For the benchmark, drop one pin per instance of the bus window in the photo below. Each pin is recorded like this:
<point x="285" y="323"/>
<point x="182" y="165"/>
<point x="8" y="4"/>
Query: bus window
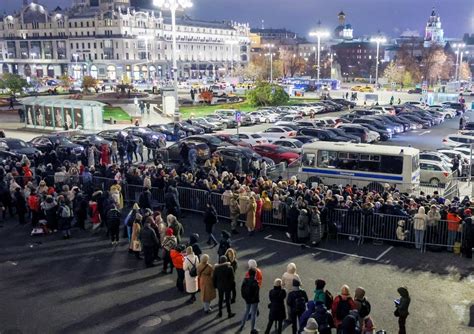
<point x="327" y="159"/>
<point x="309" y="159"/>
<point x="415" y="163"/>
<point x="391" y="164"/>
<point x="369" y="163"/>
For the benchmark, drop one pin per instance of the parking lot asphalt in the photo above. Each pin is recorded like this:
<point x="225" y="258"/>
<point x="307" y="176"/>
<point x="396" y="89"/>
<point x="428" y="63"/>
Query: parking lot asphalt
<point x="84" y="285"/>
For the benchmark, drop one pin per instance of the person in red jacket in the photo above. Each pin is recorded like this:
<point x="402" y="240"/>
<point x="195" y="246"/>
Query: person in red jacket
<point x="341" y="306"/>
<point x="258" y="276"/>
<point x="34" y="206"/>
<point x="177" y="258"/>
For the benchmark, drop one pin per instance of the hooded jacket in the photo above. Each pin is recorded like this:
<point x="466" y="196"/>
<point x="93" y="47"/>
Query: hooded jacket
<point x="310" y="308"/>
<point x="420" y="220"/>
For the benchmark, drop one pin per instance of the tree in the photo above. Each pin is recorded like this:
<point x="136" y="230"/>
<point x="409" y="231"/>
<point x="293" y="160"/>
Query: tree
<point x="432" y="63"/>
<point x="292" y="63"/>
<point x="393" y="73"/>
<point x="407" y="79"/>
<point x="65" y="81"/>
<point x="465" y="71"/>
<point x="266" y="94"/>
<point x="88" y="82"/>
<point x="14" y="82"/>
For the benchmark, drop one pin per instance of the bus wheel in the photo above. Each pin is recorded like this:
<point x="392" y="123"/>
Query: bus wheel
<point x="434" y="182"/>
<point x="375" y="186"/>
<point x="313" y="179"/>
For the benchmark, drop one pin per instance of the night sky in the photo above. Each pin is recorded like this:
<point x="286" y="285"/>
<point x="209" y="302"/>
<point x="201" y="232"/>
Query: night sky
<point x="366" y="16"/>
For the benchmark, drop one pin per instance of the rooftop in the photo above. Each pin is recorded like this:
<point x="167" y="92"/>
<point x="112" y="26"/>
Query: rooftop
<point x="55" y="102"/>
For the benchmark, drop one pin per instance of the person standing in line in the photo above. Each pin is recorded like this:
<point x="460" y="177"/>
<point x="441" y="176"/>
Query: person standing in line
<point x="190" y="265"/>
<point x="224" y="280"/>
<point x="149" y="241"/>
<point x="140" y="150"/>
<point x="177" y="258"/>
<point x="210" y="219"/>
<point x="113" y="224"/>
<point x="234" y="212"/>
<point x="296" y="302"/>
<point x="205" y="272"/>
<point x="341" y="306"/>
<point x="251" y="294"/>
<point x="231" y="256"/>
<point x="453" y="227"/>
<point x="135" y="243"/>
<point x="419" y="225"/>
<point x="169" y="243"/>
<point x="277" y="311"/>
<point x="20" y="205"/>
<point x="401" y="309"/>
<point x="251" y="212"/>
<point x="468" y="233"/>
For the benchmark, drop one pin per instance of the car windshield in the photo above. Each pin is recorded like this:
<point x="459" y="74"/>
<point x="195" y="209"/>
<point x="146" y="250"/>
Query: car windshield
<point x="16" y="144"/>
<point x="298" y="144"/>
<point x="214" y="140"/>
<point x="62" y="140"/>
<point x="234" y="138"/>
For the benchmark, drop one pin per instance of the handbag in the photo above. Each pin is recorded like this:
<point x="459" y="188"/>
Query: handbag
<point x="396" y="313"/>
<point x="136" y="246"/>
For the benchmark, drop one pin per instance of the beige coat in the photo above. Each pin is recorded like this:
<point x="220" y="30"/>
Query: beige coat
<point x="208" y="291"/>
<point x="251" y="211"/>
<point x="135" y="243"/>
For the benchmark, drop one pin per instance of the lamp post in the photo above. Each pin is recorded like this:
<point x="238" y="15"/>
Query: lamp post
<point x="377" y="40"/>
<point x="76" y="56"/>
<point x="458" y="52"/>
<point x="270" y="47"/>
<point x="172" y="6"/>
<point x="319" y="34"/>
<point x="231" y="42"/>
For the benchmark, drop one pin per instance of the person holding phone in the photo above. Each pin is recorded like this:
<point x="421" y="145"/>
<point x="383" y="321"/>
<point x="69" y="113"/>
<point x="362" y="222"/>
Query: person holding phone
<point x="401" y="309"/>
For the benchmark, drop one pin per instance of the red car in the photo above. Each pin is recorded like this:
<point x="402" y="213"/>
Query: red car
<point x="232" y="139"/>
<point x="276" y="153"/>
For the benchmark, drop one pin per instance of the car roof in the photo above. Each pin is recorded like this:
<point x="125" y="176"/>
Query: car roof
<point x="291" y="140"/>
<point x="433" y="162"/>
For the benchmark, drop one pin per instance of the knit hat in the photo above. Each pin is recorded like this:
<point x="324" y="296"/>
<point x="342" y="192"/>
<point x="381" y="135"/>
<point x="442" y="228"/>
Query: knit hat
<point x="467" y="212"/>
<point x="169" y="232"/>
<point x="252" y="264"/>
<point x="311" y="326"/>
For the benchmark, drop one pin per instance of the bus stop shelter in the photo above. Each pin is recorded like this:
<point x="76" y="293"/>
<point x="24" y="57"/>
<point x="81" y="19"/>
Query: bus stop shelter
<point x="52" y="113"/>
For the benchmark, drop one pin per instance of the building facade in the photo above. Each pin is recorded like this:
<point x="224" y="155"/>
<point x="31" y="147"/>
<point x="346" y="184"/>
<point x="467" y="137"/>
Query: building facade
<point x="110" y="40"/>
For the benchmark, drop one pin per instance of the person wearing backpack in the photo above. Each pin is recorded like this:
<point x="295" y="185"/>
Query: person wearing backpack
<point x="64" y="217"/>
<point x="296" y="302"/>
<point x="350" y="324"/>
<point x="362" y="305"/>
<point x="325" y="297"/>
<point x="190" y="264"/>
<point x="341" y="307"/>
<point x="323" y="317"/>
<point x="251" y="294"/>
<point x="224" y="243"/>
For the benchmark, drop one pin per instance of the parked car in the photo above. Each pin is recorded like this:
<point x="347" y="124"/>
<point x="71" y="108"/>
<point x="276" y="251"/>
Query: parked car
<point x="434" y="173"/>
<point x="245" y="119"/>
<point x="456" y="139"/>
<point x="228" y="123"/>
<point x="278" y="132"/>
<point x="232" y="139"/>
<point x="212" y="141"/>
<point x="292" y="144"/>
<point x="62" y="144"/>
<point x="178" y="153"/>
<point x="207" y="127"/>
<point x="415" y="91"/>
<point x="411" y="117"/>
<point x="189" y="129"/>
<point x="276" y="153"/>
<point x="150" y="137"/>
<point x="454" y="105"/>
<point x="305" y="139"/>
<point x="375" y="122"/>
<point x="321" y="134"/>
<point x="382" y="134"/>
<point x="87" y="139"/>
<point x="253" y="138"/>
<point x="19" y="147"/>
<point x="360" y="131"/>
<point x="447" y="112"/>
<point x="341" y="133"/>
<point x="384" y="109"/>
<point x="264" y="117"/>
<point x="289" y="118"/>
<point x="119" y="134"/>
<point x="169" y="131"/>
<point x="396" y="128"/>
<point x="437" y="157"/>
<point x="6" y="157"/>
<point x="231" y="154"/>
<point x="345" y="102"/>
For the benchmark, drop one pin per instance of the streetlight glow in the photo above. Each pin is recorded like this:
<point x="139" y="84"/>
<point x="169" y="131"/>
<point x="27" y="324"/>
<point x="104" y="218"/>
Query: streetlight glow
<point x="378" y="40"/>
<point x="319" y="34"/>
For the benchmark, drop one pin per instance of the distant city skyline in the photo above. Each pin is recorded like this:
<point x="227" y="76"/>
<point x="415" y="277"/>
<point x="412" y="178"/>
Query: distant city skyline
<point x="366" y="16"/>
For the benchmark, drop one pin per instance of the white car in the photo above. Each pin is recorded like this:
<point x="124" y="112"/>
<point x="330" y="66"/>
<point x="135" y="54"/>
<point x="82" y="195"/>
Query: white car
<point x="464" y="150"/>
<point x="437" y="157"/>
<point x="289" y="118"/>
<point x="386" y="110"/>
<point x="328" y="121"/>
<point x="263" y="116"/>
<point x="253" y="138"/>
<point x="293" y="144"/>
<point x="434" y="173"/>
<point x="447" y="112"/>
<point x="453" y="153"/>
<point x="278" y="132"/>
<point x="457" y="139"/>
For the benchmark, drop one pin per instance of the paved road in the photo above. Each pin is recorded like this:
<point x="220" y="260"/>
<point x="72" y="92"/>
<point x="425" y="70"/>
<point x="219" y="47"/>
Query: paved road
<point x="83" y="285"/>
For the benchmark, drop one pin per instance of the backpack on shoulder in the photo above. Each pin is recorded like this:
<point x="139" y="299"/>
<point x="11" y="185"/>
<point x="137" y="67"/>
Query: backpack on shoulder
<point x="343" y="308"/>
<point x="300" y="305"/>
<point x="364" y="308"/>
<point x="193" y="269"/>
<point x="329" y="299"/>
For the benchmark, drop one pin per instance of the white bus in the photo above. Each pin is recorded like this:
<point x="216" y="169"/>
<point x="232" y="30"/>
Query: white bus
<point x="361" y="164"/>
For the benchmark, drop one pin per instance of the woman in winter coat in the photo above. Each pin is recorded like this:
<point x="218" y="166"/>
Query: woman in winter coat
<point x="289" y="276"/>
<point x="135" y="243"/>
<point x="277" y="307"/>
<point x="105" y="155"/>
<point x="190" y="264"/>
<point x="50" y="208"/>
<point x="234" y="210"/>
<point x="432" y="223"/>
<point x="303" y="226"/>
<point x="116" y="194"/>
<point x="258" y="213"/>
<point x="114" y="151"/>
<point x="94" y="213"/>
<point x="315" y="232"/>
<point x="419" y="225"/>
<point x="210" y="219"/>
<point x="208" y="291"/>
<point x="231" y="256"/>
<point x="251" y="211"/>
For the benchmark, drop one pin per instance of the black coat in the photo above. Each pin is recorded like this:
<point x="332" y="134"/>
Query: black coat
<point x="144" y="201"/>
<point x="277" y="304"/>
<point x="210" y="219"/>
<point x="223" y="277"/>
<point x="250" y="291"/>
<point x="148" y="237"/>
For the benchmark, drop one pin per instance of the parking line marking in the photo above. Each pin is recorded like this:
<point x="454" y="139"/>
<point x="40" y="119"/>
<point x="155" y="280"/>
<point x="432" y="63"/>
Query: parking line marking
<point x="383" y="253"/>
<point x="424" y="133"/>
<point x="268" y="237"/>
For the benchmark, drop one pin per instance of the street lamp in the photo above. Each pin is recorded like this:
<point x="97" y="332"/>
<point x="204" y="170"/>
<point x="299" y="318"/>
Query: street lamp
<point x="270" y="47"/>
<point x="76" y="69"/>
<point x="458" y="52"/>
<point x="377" y="40"/>
<point x="231" y="43"/>
<point x="319" y="34"/>
<point x="172" y="6"/>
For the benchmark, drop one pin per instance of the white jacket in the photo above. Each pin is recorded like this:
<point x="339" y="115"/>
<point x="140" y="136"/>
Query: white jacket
<point x="191" y="282"/>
